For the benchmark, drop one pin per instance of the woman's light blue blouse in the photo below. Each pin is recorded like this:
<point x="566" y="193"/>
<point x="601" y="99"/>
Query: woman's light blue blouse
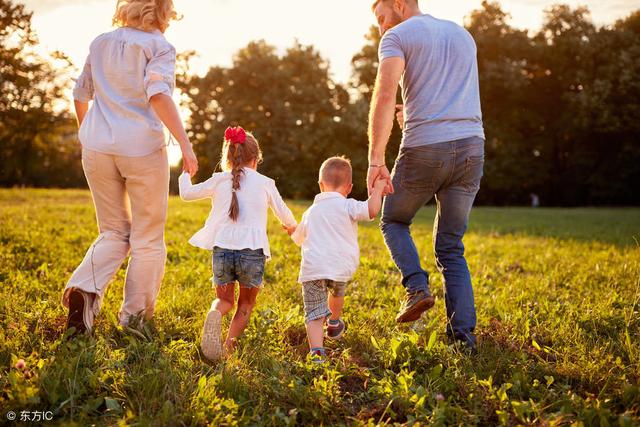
<point x="124" y="69"/>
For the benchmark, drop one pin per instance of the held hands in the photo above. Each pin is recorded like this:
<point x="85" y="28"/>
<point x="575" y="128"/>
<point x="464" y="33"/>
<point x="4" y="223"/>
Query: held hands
<point x="289" y="230"/>
<point x="380" y="186"/>
<point x="189" y="159"/>
<point x="377" y="173"/>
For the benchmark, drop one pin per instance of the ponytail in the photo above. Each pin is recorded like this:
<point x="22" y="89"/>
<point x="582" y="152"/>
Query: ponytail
<point x="236" y="173"/>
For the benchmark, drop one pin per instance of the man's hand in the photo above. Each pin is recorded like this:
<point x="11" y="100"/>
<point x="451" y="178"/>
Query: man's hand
<point x="400" y="115"/>
<point x="376" y="173"/>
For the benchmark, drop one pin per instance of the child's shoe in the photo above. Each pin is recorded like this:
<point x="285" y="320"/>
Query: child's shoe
<point x="211" y="342"/>
<point x="335" y="329"/>
<point x="318" y="355"/>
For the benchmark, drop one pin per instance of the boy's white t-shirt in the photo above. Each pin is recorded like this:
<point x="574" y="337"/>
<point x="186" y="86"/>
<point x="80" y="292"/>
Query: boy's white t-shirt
<point x="328" y="235"/>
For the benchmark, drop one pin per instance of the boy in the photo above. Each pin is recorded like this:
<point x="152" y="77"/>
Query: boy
<point x="328" y="235"/>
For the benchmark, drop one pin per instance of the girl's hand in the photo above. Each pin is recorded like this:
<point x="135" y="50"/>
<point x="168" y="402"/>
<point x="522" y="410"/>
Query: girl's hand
<point x="290" y="230"/>
<point x="189" y="160"/>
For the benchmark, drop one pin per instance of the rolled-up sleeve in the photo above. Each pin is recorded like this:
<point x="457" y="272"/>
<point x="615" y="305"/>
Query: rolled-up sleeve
<point x="160" y="74"/>
<point x="83" y="89"/>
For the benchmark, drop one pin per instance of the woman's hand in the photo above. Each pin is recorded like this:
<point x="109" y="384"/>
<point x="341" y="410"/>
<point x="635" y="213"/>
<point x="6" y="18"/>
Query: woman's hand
<point x="189" y="159"/>
<point x="81" y="108"/>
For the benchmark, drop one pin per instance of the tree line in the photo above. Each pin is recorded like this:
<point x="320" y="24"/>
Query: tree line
<point x="561" y="109"/>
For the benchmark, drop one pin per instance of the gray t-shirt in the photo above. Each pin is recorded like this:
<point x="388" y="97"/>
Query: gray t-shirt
<point x="440" y="87"/>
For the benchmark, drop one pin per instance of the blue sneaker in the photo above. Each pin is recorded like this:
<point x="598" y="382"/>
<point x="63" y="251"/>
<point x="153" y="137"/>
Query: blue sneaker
<point x="335" y="329"/>
<point x="318" y="355"/>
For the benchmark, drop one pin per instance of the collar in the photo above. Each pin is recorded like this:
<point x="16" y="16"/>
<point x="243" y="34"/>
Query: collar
<point x="328" y="195"/>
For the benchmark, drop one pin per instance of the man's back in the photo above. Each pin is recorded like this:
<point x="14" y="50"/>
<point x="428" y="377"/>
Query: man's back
<point x="440" y="83"/>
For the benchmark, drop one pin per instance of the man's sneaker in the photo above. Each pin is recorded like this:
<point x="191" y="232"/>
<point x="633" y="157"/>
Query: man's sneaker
<point x="335" y="330"/>
<point x="211" y="336"/>
<point x="80" y="315"/>
<point x="318" y="355"/>
<point x="414" y="305"/>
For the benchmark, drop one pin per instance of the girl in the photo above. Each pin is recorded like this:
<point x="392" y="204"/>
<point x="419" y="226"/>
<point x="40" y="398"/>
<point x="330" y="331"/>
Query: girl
<point x="236" y="232"/>
<point x="129" y="76"/>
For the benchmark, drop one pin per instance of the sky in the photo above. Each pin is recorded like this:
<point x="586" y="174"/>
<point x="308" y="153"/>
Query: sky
<point x="216" y="29"/>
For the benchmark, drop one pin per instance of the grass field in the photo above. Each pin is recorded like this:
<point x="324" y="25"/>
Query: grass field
<point x="557" y="293"/>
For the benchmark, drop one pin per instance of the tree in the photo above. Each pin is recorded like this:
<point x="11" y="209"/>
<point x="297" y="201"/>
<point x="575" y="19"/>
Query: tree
<point x="37" y="142"/>
<point x="505" y="66"/>
<point x="288" y="102"/>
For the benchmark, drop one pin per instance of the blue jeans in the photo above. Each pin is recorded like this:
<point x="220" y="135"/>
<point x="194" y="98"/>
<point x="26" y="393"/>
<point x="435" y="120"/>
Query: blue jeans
<point x="450" y="171"/>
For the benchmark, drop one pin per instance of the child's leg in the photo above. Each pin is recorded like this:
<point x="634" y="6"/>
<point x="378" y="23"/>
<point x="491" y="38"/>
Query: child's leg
<point x="211" y="331"/>
<point x="316" y="310"/>
<point x="225" y="298"/>
<point x="335" y="305"/>
<point x="336" y="298"/>
<point x="335" y="325"/>
<point x="315" y="334"/>
<point x="246" y="302"/>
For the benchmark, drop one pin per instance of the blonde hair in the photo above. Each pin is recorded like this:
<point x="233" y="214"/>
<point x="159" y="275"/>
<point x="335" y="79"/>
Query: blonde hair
<point x="335" y="172"/>
<point x="234" y="157"/>
<point x="146" y="15"/>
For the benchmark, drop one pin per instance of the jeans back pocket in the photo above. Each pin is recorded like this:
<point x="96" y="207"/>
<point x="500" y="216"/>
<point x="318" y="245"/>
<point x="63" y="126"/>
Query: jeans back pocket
<point x="420" y="173"/>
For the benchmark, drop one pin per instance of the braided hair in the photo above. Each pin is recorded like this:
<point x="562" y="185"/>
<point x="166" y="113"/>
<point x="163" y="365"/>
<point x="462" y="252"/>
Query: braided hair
<point x="236" y="156"/>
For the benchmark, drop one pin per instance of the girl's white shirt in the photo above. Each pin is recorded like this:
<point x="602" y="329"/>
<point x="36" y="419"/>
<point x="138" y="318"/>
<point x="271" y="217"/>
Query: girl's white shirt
<point x="256" y="195"/>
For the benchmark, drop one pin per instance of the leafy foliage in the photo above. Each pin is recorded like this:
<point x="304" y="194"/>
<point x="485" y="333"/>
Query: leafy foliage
<point x="37" y="142"/>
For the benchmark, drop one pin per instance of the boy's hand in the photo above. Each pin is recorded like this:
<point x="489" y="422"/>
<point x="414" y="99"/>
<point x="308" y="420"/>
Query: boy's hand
<point x="380" y="185"/>
<point x="290" y="230"/>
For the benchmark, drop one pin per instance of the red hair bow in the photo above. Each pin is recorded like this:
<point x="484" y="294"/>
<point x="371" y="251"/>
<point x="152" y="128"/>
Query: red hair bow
<point x="236" y="135"/>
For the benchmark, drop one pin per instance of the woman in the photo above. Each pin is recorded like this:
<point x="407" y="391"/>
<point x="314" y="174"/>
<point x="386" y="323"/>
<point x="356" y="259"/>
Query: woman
<point x="130" y="76"/>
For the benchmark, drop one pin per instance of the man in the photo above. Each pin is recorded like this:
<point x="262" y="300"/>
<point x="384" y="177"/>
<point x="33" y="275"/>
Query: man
<point x="441" y="155"/>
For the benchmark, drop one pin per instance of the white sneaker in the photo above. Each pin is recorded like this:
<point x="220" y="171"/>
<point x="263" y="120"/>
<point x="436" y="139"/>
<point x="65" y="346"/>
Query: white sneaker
<point x="211" y="336"/>
<point x="81" y="314"/>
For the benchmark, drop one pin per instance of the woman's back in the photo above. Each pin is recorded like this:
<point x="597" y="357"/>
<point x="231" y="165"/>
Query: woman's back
<point x="124" y="69"/>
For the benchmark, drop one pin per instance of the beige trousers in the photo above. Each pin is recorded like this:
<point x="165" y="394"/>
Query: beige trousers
<point x="130" y="195"/>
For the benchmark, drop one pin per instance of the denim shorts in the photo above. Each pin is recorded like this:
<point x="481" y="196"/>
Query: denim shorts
<point x="246" y="266"/>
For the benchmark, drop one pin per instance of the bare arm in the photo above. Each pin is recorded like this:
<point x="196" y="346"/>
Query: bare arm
<point x="81" y="110"/>
<point x="381" y="114"/>
<point x="375" y="198"/>
<point x="166" y="110"/>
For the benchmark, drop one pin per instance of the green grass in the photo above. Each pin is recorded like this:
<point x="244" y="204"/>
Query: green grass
<point x="557" y="293"/>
